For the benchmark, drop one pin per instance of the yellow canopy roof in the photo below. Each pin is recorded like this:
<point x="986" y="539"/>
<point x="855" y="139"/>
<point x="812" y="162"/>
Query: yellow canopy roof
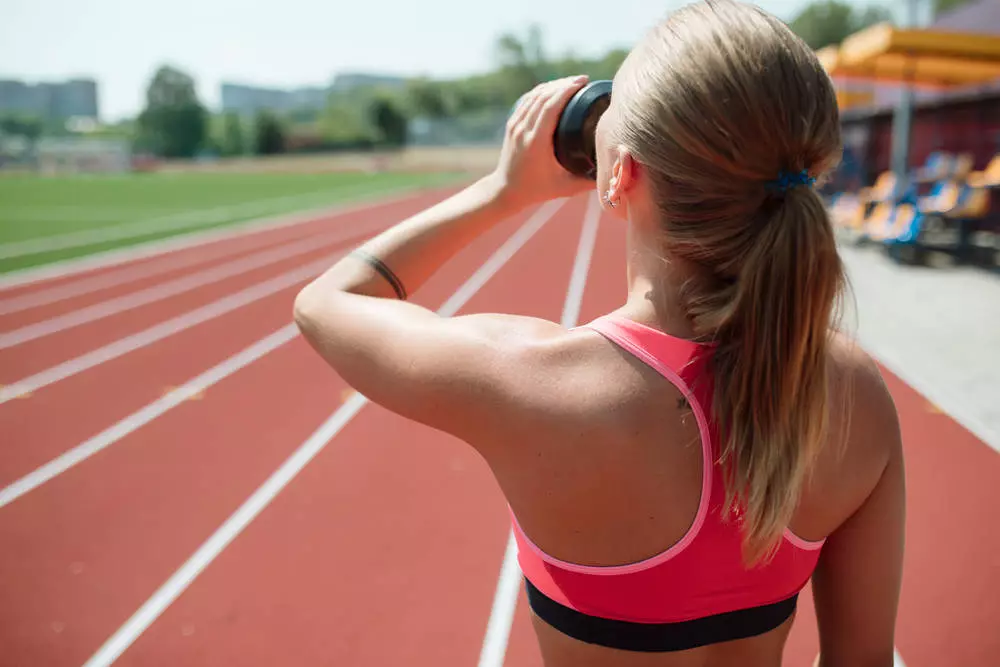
<point x="847" y="98"/>
<point x="886" y="54"/>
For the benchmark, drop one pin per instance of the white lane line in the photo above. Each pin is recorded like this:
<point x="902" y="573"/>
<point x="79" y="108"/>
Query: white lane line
<point x="171" y="288"/>
<point x="180" y="220"/>
<point x="504" y="605"/>
<point x="164" y="329"/>
<point x="161" y="246"/>
<point x="581" y="266"/>
<point x="509" y="582"/>
<point x="248" y="511"/>
<point x="143" y="416"/>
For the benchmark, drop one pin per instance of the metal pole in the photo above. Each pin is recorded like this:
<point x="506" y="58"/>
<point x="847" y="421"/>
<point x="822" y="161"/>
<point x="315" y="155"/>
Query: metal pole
<point x="902" y="122"/>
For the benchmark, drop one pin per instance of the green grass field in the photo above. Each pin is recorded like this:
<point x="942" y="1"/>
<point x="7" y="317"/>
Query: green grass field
<point x="43" y="219"/>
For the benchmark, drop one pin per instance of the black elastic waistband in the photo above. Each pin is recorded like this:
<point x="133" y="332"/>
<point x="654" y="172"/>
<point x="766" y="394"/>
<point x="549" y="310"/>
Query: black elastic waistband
<point x="659" y="637"/>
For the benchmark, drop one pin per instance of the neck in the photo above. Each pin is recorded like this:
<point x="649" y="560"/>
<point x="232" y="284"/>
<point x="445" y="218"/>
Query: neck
<point x="654" y="283"/>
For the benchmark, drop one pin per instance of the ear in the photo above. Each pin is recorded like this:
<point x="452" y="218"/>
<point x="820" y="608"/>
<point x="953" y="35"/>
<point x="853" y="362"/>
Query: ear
<point x="621" y="181"/>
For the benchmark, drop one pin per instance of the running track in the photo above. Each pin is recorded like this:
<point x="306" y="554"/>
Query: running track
<point x="136" y="513"/>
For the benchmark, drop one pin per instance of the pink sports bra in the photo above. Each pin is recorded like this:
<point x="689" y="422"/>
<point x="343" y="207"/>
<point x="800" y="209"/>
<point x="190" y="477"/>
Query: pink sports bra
<point x="696" y="592"/>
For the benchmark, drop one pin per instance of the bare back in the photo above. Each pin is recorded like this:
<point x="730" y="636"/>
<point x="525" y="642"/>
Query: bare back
<point x="608" y="472"/>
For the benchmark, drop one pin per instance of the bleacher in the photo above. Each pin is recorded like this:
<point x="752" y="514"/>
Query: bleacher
<point x="944" y="206"/>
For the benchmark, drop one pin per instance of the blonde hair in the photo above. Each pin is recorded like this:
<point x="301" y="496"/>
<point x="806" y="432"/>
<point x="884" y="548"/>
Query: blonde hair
<point x="722" y="99"/>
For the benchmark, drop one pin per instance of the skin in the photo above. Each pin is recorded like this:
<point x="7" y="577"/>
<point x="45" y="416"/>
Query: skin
<point x="591" y="448"/>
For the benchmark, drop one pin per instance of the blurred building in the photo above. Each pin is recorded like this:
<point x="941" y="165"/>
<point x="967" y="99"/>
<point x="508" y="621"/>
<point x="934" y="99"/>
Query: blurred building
<point x="76" y="97"/>
<point x="348" y="81"/>
<point x="247" y="100"/>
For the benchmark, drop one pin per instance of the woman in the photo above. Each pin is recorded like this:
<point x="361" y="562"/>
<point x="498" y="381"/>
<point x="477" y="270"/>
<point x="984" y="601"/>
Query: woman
<point x="681" y="467"/>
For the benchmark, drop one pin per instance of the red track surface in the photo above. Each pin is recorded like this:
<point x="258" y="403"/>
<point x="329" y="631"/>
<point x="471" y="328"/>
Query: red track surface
<point x="385" y="550"/>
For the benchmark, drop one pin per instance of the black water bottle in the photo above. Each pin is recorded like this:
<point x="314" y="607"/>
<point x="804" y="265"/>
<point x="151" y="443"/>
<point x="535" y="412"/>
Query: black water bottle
<point x="574" y="135"/>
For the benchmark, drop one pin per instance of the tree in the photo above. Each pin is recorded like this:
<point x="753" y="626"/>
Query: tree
<point x="942" y="6"/>
<point x="174" y="123"/>
<point x="870" y="16"/>
<point x="269" y="136"/>
<point x="303" y="116"/>
<point x="831" y="21"/>
<point x="21" y="125"/>
<point x="608" y="66"/>
<point x="344" y="126"/>
<point x="522" y="63"/>
<point x="390" y="122"/>
<point x="427" y="98"/>
<point x="232" y="142"/>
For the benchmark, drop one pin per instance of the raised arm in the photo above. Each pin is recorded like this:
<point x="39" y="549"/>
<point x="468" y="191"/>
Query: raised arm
<point x="442" y="371"/>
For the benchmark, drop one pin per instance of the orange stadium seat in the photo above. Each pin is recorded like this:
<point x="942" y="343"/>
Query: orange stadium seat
<point x="988" y="177"/>
<point x="975" y="204"/>
<point x="879" y="221"/>
<point x="883" y="189"/>
<point x="844" y="208"/>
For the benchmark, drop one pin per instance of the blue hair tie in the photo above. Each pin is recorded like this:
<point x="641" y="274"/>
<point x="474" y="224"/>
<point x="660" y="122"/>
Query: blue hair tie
<point x="787" y="180"/>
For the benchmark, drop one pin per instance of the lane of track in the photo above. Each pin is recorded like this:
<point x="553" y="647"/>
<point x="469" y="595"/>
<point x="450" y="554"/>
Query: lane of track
<point x="949" y="607"/>
<point x="63" y="414"/>
<point x="383" y="551"/>
<point x="95" y="542"/>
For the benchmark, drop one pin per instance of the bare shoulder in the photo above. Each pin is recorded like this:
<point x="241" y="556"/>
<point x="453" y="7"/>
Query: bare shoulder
<point x="554" y="370"/>
<point x="858" y="382"/>
<point x="503" y="379"/>
<point x="864" y="423"/>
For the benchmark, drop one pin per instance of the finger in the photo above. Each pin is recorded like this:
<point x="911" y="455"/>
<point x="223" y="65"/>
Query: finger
<point x="544" y="94"/>
<point x="517" y="116"/>
<point x="548" y="114"/>
<point x="523" y="104"/>
<point x="534" y="109"/>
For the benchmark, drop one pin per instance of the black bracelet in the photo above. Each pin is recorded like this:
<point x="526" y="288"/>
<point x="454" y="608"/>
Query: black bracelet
<point x="383" y="271"/>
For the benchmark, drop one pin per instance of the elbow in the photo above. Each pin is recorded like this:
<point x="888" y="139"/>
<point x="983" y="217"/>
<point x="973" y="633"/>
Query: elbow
<point x="304" y="311"/>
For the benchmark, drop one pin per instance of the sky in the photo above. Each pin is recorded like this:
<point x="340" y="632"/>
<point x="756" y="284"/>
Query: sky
<point x="297" y="42"/>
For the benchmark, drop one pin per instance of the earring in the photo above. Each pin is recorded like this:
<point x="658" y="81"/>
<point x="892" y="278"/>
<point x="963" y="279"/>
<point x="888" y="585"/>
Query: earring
<point x="607" y="199"/>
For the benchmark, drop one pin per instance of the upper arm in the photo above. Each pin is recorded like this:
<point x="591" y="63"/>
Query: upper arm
<point x="463" y="375"/>
<point x="857" y="580"/>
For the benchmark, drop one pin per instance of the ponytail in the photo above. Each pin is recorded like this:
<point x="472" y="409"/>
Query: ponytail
<point x="772" y="329"/>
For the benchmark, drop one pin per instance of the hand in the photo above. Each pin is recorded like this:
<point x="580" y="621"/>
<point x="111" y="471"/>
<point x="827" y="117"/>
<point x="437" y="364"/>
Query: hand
<point x="528" y="172"/>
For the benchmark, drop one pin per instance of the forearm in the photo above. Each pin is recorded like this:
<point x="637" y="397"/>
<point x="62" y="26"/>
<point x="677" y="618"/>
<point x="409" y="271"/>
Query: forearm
<point x="417" y="247"/>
